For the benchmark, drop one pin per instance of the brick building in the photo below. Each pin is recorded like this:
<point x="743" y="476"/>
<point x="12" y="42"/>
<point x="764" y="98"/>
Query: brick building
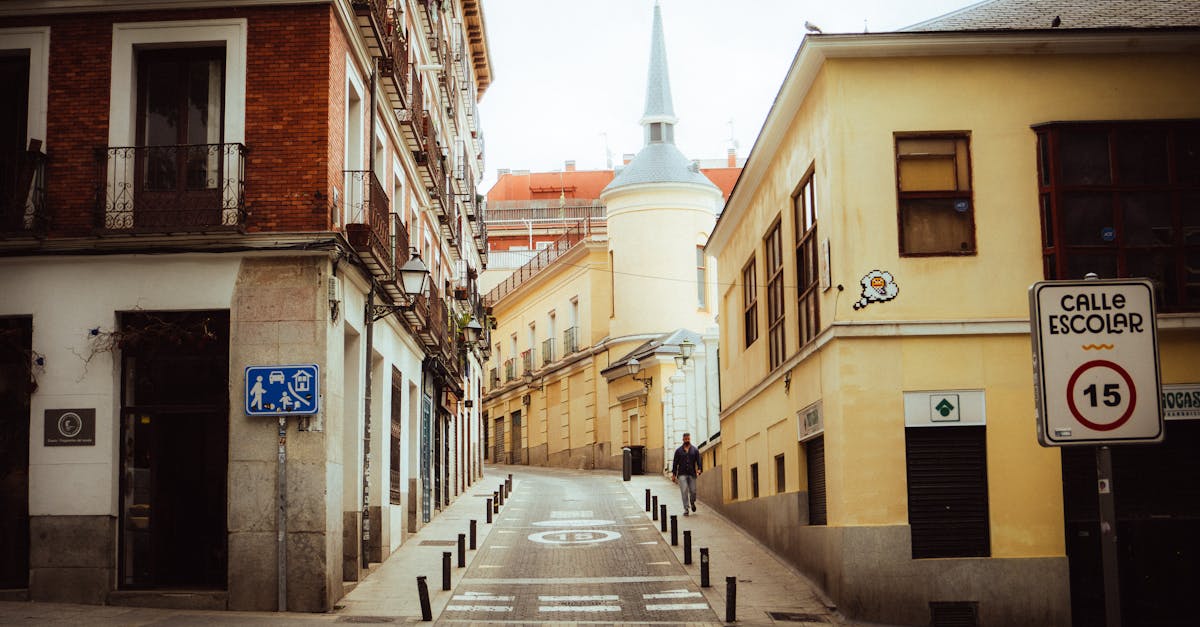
<point x="189" y="192"/>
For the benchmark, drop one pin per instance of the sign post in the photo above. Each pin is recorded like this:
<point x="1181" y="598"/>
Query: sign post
<point x="1097" y="382"/>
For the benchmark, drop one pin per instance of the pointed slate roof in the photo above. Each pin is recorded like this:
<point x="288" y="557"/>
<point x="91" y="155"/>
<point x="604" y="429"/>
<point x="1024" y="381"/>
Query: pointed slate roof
<point x="659" y="161"/>
<point x="1072" y="15"/>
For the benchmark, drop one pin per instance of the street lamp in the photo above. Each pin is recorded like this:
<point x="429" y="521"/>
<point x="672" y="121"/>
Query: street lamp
<point x="686" y="348"/>
<point x="472" y="331"/>
<point x="633" y="367"/>
<point x="413" y="275"/>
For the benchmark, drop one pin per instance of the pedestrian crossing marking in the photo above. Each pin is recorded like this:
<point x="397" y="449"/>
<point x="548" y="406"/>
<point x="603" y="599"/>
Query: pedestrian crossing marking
<point x="672" y="594"/>
<point x="675" y="607"/>
<point x="658" y="563"/>
<point x="479" y="608"/>
<point x="482" y="596"/>
<point x="577" y="597"/>
<point x="579" y="608"/>
<point x="651" y="542"/>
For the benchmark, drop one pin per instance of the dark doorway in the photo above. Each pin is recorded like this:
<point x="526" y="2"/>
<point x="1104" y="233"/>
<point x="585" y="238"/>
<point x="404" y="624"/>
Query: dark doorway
<point x="515" y="444"/>
<point x="1157" y="495"/>
<point x="16" y="385"/>
<point x="174" y="434"/>
<point x="438" y="438"/>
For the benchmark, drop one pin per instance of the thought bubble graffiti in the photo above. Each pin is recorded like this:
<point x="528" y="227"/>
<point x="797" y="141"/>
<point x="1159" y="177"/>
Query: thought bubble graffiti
<point x="877" y="286"/>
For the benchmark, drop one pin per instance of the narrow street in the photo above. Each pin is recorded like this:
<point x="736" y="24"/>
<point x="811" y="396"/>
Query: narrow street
<point x="576" y="547"/>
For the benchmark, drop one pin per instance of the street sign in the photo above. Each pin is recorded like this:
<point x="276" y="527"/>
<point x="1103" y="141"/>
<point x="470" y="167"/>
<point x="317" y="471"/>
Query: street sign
<point x="1095" y="351"/>
<point x="282" y="390"/>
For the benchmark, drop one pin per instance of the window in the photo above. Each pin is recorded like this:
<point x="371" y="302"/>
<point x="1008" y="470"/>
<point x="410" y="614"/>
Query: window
<point x="773" y="252"/>
<point x="733" y="484"/>
<point x="933" y="183"/>
<point x="804" y="212"/>
<point x="947" y="491"/>
<point x="749" y="303"/>
<point x="814" y="453"/>
<point x="780" y="475"/>
<point x="701" y="278"/>
<point x="754" y="481"/>
<point x="1122" y="199"/>
<point x="612" y="285"/>
<point x="395" y="492"/>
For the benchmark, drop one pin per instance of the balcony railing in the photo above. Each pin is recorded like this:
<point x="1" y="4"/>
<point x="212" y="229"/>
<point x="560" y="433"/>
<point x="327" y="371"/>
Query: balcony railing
<point x="510" y="369"/>
<point x="527" y="359"/>
<point x="494" y="378"/>
<point x="541" y="260"/>
<point x="547" y="350"/>
<point x="520" y="212"/>
<point x="368" y="221"/>
<point x="186" y="187"/>
<point x="570" y="340"/>
<point x="23" y="193"/>
<point x="395" y="494"/>
<point x="400" y="243"/>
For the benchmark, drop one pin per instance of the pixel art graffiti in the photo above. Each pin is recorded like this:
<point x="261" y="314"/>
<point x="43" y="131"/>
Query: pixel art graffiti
<point x="878" y="286"/>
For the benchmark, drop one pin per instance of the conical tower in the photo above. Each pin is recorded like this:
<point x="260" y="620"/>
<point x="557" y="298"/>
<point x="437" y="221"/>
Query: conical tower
<point x="661" y="209"/>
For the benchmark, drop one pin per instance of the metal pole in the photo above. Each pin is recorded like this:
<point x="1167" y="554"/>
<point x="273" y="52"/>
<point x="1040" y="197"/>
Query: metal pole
<point x="495" y="502"/>
<point x="473" y="532"/>
<point x="423" y="592"/>
<point x="462" y="550"/>
<point x="501" y="492"/>
<point x="490" y="509"/>
<point x="674" y="530"/>
<point x="704" y="567"/>
<point x="445" y="570"/>
<point x="662" y="517"/>
<point x="730" y="599"/>
<point x="647" y="499"/>
<point x="281" y="515"/>
<point x="654" y="508"/>
<point x="687" y="547"/>
<point x="1108" y="537"/>
<point x="626" y="463"/>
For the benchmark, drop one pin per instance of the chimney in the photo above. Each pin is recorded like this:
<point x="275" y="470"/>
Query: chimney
<point x="627" y="157"/>
<point x="732" y="158"/>
<point x="570" y="165"/>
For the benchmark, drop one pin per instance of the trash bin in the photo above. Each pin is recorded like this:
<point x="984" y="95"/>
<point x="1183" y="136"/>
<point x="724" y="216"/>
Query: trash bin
<point x="638" y="459"/>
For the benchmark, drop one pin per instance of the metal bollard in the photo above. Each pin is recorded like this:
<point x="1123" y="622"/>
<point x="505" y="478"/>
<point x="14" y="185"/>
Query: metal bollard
<point x="674" y="530"/>
<point x="508" y="483"/>
<point x="445" y="570"/>
<point x="495" y="502"/>
<point x="462" y="550"/>
<point x="654" y="509"/>
<point x="626" y="463"/>
<point x="490" y="509"/>
<point x="704" y="583"/>
<point x="730" y="599"/>
<point x="501" y="491"/>
<point x="647" y="499"/>
<point x="662" y="517"/>
<point x="423" y="593"/>
<point x="687" y="547"/>
<point x="473" y="532"/>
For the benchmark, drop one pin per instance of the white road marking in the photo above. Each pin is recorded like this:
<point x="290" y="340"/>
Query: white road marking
<point x="573" y="523"/>
<point x="479" y="608"/>
<point x="579" y="513"/>
<point x="481" y="596"/>
<point x="651" y="542"/>
<point x="490" y="566"/>
<point x="497" y="546"/>
<point x="572" y="536"/>
<point x="542" y="581"/>
<point x="577" y="597"/>
<point x="657" y="563"/>
<point x="634" y="516"/>
<point x="504" y="531"/>
<point x="579" y="608"/>
<point x="672" y="594"/>
<point x="675" y="607"/>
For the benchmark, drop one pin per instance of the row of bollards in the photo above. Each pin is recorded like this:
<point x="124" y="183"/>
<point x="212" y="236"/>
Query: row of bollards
<point x="659" y="512"/>
<point x="492" y="508"/>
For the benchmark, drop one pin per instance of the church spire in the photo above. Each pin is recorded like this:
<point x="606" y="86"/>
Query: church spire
<point x="659" y="118"/>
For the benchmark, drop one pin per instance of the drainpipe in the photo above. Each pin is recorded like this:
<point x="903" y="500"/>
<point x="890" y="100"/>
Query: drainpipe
<point x="369" y="323"/>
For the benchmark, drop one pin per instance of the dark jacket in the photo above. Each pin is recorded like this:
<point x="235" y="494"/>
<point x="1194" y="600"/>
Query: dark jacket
<point x="686" y="462"/>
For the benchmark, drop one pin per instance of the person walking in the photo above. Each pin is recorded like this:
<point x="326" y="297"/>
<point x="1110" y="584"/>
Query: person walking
<point x="684" y="470"/>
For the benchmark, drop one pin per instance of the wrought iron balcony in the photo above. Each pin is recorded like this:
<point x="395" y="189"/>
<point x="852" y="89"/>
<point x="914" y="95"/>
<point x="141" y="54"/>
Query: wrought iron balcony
<point x="510" y="369"/>
<point x="23" y="193"/>
<point x="570" y="340"/>
<point x="547" y="350"/>
<point x="493" y="378"/>
<point x="527" y="359"/>
<point x="178" y="188"/>
<point x="372" y="17"/>
<point x="368" y="222"/>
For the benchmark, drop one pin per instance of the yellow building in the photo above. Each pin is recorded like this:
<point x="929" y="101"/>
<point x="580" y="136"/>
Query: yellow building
<point x="586" y="334"/>
<point x="877" y="424"/>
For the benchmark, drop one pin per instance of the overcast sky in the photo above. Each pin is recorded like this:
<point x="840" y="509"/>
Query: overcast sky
<point x="569" y="76"/>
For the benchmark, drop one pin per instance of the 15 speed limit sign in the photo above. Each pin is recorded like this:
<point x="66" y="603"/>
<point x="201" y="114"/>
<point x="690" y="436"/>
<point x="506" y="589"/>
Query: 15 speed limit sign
<point x="1095" y="352"/>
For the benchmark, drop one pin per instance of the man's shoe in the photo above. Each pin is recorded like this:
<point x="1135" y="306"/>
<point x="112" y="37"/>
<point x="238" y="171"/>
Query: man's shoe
<point x="693" y="507"/>
<point x="685" y="513"/>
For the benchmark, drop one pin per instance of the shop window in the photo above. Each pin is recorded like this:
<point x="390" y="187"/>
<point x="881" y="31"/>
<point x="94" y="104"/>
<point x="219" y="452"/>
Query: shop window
<point x="1122" y="199"/>
<point x="933" y="183"/>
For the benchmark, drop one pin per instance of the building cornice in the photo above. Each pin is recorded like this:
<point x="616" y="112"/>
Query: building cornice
<point x="896" y="329"/>
<point x="46" y="7"/>
<point x="816" y="49"/>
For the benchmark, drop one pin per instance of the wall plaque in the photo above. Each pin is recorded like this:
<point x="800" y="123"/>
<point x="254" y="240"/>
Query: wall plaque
<point x="70" y="427"/>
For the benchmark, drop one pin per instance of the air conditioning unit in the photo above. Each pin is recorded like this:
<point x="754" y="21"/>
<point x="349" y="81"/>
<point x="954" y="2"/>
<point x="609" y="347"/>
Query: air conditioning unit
<point x="335" y="289"/>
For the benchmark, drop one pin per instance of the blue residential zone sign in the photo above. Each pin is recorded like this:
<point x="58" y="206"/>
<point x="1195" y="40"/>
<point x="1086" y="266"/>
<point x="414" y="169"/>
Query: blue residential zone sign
<point x="282" y="390"/>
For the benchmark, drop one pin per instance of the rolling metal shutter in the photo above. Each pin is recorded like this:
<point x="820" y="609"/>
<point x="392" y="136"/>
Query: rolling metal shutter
<point x="947" y="491"/>
<point x="815" y="456"/>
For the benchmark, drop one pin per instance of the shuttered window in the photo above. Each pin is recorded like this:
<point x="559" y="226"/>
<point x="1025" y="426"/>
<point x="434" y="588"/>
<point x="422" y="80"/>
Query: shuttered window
<point x="814" y="450"/>
<point x="947" y="491"/>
